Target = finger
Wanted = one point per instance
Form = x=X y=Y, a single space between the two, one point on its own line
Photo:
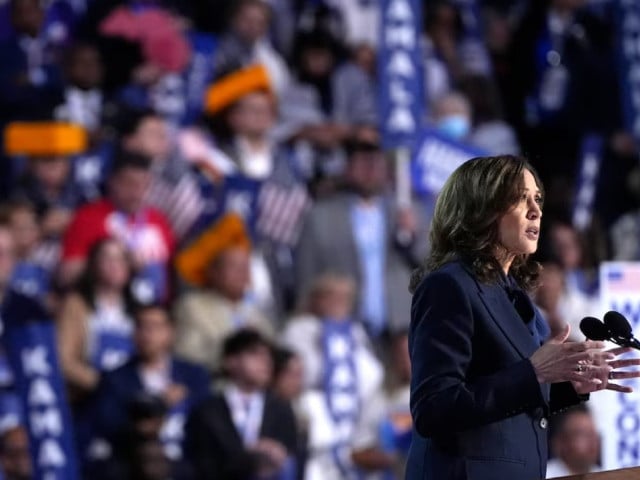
x=628 y=362
x=583 y=346
x=620 y=350
x=620 y=375
x=618 y=388
x=589 y=357
x=562 y=336
x=584 y=377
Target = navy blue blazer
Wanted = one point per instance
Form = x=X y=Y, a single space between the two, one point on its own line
x=479 y=412
x=119 y=388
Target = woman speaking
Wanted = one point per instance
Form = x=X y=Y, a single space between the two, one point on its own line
x=483 y=382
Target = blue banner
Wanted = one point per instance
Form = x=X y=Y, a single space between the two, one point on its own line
x=436 y=158
x=627 y=19
x=472 y=49
x=400 y=73
x=587 y=181
x=30 y=342
x=198 y=74
x=237 y=194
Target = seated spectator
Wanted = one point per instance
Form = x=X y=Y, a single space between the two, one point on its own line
x=35 y=257
x=490 y=132
x=15 y=458
x=123 y=215
x=83 y=95
x=451 y=116
x=575 y=444
x=288 y=385
x=174 y=189
x=247 y=42
x=243 y=431
x=221 y=304
x=156 y=371
x=318 y=111
x=624 y=234
x=361 y=233
x=47 y=183
x=341 y=373
x=243 y=126
x=576 y=256
x=383 y=435
x=559 y=304
x=94 y=326
x=30 y=80
x=7 y=258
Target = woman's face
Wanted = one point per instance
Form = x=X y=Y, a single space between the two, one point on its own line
x=112 y=265
x=519 y=228
x=567 y=246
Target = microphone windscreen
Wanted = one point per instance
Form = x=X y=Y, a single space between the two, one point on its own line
x=617 y=324
x=594 y=329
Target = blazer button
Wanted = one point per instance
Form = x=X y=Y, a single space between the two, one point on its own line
x=544 y=423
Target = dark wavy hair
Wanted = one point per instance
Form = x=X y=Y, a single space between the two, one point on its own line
x=466 y=217
x=87 y=284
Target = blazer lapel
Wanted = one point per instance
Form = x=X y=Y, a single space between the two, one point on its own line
x=507 y=319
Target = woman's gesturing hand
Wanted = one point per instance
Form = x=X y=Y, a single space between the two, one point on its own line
x=581 y=362
x=607 y=371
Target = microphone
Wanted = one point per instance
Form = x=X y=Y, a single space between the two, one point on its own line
x=594 y=329
x=621 y=332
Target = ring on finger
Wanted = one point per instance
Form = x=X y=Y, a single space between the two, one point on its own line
x=579 y=367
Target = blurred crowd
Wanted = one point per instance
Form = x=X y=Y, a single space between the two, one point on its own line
x=198 y=192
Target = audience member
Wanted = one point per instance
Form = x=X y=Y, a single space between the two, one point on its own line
x=15 y=459
x=564 y=80
x=361 y=233
x=7 y=258
x=83 y=95
x=30 y=79
x=94 y=326
x=220 y=304
x=123 y=215
x=288 y=385
x=451 y=115
x=575 y=444
x=383 y=434
x=47 y=183
x=153 y=369
x=174 y=190
x=243 y=431
x=490 y=132
x=244 y=128
x=246 y=42
x=341 y=373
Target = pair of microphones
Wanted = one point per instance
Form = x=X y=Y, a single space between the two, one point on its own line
x=614 y=328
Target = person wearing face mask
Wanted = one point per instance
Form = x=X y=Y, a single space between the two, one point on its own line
x=452 y=116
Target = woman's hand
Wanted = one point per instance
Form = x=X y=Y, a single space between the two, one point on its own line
x=606 y=371
x=582 y=362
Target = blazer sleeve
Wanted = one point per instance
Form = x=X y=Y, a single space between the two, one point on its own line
x=442 y=397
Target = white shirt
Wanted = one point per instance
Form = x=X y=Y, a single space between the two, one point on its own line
x=247 y=410
x=557 y=468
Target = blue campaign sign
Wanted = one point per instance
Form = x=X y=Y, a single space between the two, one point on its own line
x=587 y=180
x=237 y=194
x=30 y=342
x=627 y=18
x=198 y=74
x=401 y=91
x=435 y=159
